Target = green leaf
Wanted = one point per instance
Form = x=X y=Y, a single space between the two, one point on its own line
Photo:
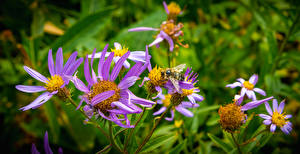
x=219 y=142
x=37 y=26
x=208 y=108
x=52 y=115
x=178 y=147
x=157 y=142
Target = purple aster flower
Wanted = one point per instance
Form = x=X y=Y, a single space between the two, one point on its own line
x=165 y=100
x=60 y=77
x=104 y=96
x=46 y=147
x=248 y=87
x=277 y=118
x=136 y=56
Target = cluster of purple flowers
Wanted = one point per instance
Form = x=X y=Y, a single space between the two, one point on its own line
x=276 y=117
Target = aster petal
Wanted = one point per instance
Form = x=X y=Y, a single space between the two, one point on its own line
x=188 y=104
x=118 y=66
x=128 y=82
x=184 y=111
x=69 y=62
x=122 y=106
x=94 y=77
x=241 y=80
x=172 y=116
x=284 y=130
x=141 y=101
x=233 y=85
x=169 y=40
x=198 y=97
x=80 y=103
x=70 y=70
x=134 y=71
x=267 y=117
x=243 y=92
x=137 y=56
x=138 y=29
x=60 y=150
x=185 y=85
x=160 y=111
x=267 y=122
x=288 y=116
x=260 y=91
x=35 y=74
x=166 y=7
x=126 y=64
x=51 y=63
x=101 y=61
x=273 y=128
x=281 y=106
x=106 y=66
x=275 y=105
x=156 y=41
x=118 y=46
x=30 y=89
x=80 y=85
x=191 y=98
x=134 y=107
x=59 y=61
x=268 y=108
x=255 y=104
x=46 y=144
x=253 y=79
x=145 y=79
x=87 y=71
x=102 y=96
x=34 y=149
x=88 y=110
x=38 y=101
x=159 y=90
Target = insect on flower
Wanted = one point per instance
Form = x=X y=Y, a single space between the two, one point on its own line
x=174 y=75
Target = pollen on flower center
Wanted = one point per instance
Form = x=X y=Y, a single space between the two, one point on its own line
x=167 y=100
x=177 y=98
x=174 y=8
x=278 y=119
x=231 y=117
x=119 y=52
x=155 y=77
x=100 y=87
x=55 y=82
x=248 y=85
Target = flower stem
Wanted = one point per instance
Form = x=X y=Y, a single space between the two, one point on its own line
x=254 y=137
x=104 y=149
x=236 y=143
x=152 y=130
x=112 y=141
x=132 y=130
x=91 y=120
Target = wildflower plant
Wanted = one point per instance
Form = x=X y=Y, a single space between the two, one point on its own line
x=134 y=103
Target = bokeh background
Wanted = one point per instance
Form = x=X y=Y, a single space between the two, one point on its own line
x=227 y=39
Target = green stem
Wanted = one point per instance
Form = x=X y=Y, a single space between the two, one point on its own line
x=104 y=149
x=91 y=120
x=112 y=141
x=254 y=137
x=152 y=130
x=132 y=130
x=236 y=143
x=284 y=43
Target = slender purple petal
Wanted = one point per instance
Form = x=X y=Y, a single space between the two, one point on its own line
x=267 y=117
x=188 y=105
x=101 y=60
x=284 y=130
x=94 y=77
x=184 y=111
x=198 y=97
x=51 y=63
x=46 y=145
x=101 y=97
x=243 y=92
x=267 y=122
x=30 y=89
x=73 y=67
x=191 y=98
x=138 y=29
x=137 y=56
x=268 y=108
x=169 y=40
x=128 y=82
x=160 y=111
x=253 y=79
x=106 y=66
x=34 y=149
x=273 y=128
x=35 y=74
x=38 y=101
x=118 y=66
x=60 y=150
x=255 y=104
x=260 y=91
x=80 y=85
x=281 y=106
x=134 y=71
x=288 y=116
x=59 y=61
x=275 y=105
x=87 y=71
x=166 y=7
x=241 y=80
x=233 y=85
x=122 y=106
x=156 y=41
x=70 y=62
x=145 y=79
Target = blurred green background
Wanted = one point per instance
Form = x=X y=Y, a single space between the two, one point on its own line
x=228 y=40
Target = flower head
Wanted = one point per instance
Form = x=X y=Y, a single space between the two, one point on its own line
x=119 y=51
x=54 y=85
x=173 y=10
x=104 y=97
x=248 y=87
x=232 y=115
x=277 y=118
x=46 y=147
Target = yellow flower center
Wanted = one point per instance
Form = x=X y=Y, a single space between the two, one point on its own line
x=187 y=92
x=167 y=100
x=231 y=117
x=119 y=52
x=168 y=28
x=278 y=119
x=103 y=86
x=176 y=99
x=54 y=83
x=248 y=85
x=174 y=9
x=155 y=77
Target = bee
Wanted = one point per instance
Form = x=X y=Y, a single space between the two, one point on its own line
x=174 y=75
